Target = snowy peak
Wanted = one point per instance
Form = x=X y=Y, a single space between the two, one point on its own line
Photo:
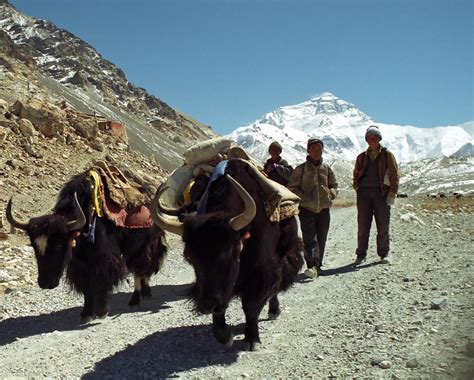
x=341 y=126
x=322 y=111
x=328 y=104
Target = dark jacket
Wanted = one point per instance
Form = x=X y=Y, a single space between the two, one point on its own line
x=278 y=171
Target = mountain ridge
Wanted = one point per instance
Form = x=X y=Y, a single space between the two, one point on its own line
x=64 y=67
x=341 y=126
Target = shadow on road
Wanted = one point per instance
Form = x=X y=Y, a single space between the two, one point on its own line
x=162 y=355
x=161 y=295
x=336 y=271
x=347 y=268
x=12 y=329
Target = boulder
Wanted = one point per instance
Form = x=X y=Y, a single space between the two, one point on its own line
x=86 y=128
x=26 y=128
x=46 y=117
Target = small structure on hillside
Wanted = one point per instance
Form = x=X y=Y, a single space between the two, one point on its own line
x=114 y=127
x=111 y=126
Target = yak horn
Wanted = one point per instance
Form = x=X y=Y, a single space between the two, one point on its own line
x=161 y=207
x=164 y=223
x=11 y=219
x=242 y=220
x=80 y=220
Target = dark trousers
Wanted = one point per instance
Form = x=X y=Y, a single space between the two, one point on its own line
x=371 y=202
x=315 y=229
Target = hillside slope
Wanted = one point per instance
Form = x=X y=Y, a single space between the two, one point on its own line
x=37 y=59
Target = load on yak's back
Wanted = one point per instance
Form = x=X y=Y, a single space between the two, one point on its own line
x=187 y=184
x=239 y=231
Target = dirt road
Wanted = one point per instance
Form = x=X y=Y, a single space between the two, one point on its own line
x=413 y=318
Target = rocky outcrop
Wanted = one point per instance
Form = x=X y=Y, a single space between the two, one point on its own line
x=42 y=62
x=59 y=53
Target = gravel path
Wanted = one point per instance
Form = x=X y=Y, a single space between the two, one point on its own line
x=413 y=318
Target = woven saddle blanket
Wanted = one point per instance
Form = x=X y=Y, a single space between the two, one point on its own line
x=118 y=198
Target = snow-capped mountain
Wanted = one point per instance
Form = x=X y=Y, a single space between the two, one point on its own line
x=341 y=126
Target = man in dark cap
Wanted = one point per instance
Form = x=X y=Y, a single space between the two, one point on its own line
x=315 y=183
x=276 y=168
x=376 y=183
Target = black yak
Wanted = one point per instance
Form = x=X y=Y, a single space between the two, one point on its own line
x=235 y=250
x=94 y=251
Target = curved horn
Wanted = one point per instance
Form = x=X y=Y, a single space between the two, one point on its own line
x=161 y=207
x=165 y=224
x=242 y=220
x=80 y=220
x=11 y=219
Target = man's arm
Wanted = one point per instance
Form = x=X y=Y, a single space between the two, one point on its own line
x=294 y=183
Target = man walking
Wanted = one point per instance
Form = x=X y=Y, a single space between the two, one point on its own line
x=376 y=182
x=315 y=183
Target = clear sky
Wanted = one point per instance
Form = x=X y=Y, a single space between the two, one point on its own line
x=228 y=62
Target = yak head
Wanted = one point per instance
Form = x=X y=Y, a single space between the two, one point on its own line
x=51 y=237
x=213 y=243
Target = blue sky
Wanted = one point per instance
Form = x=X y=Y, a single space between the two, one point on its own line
x=228 y=62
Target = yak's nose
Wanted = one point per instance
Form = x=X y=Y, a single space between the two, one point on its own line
x=204 y=309
x=207 y=305
x=210 y=305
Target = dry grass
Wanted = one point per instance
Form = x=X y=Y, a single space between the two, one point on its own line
x=343 y=202
x=451 y=204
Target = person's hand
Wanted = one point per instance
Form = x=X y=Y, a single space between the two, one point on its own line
x=272 y=167
x=391 y=199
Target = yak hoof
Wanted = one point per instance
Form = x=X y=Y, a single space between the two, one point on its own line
x=102 y=311
x=229 y=343
x=135 y=300
x=145 y=292
x=224 y=336
x=274 y=314
x=86 y=319
x=254 y=346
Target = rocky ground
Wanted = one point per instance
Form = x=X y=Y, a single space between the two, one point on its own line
x=411 y=319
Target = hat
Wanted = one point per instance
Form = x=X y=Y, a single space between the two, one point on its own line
x=374 y=131
x=275 y=145
x=312 y=141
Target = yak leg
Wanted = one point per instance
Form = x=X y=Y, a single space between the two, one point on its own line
x=101 y=303
x=252 y=311
x=222 y=332
x=141 y=290
x=146 y=290
x=274 y=307
x=87 y=313
x=137 y=287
